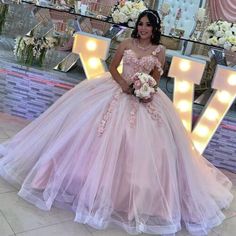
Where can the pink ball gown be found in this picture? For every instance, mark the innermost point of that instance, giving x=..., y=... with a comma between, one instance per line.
x=115, y=161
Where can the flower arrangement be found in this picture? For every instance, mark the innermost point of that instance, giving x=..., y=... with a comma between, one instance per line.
x=200, y=15
x=31, y=50
x=3, y=14
x=126, y=12
x=221, y=33
x=144, y=85
x=165, y=9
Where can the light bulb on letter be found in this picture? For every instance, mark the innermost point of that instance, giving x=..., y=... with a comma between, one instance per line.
x=183, y=86
x=93, y=62
x=232, y=80
x=183, y=106
x=184, y=65
x=91, y=45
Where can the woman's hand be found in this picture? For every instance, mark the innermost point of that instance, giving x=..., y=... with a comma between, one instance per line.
x=125, y=87
x=145, y=100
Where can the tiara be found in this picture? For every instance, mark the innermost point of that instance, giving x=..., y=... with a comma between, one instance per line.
x=158, y=22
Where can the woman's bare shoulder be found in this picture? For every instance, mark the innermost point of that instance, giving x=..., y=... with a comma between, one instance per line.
x=127, y=43
x=159, y=50
x=162, y=48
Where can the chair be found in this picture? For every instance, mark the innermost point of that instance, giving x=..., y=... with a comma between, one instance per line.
x=185, y=23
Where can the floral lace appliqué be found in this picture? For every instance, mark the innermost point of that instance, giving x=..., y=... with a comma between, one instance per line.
x=153, y=111
x=144, y=64
x=133, y=112
x=107, y=115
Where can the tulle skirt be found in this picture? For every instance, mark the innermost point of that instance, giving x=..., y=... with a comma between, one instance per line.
x=115, y=161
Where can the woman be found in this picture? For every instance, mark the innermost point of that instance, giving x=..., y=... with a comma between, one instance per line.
x=114, y=159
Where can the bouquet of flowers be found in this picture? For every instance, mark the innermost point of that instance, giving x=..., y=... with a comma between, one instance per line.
x=221, y=33
x=126, y=12
x=144, y=85
x=29, y=50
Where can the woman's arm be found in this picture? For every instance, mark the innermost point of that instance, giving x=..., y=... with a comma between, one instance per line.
x=156, y=73
x=114, y=65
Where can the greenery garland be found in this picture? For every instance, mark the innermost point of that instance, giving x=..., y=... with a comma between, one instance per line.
x=32, y=51
x=3, y=14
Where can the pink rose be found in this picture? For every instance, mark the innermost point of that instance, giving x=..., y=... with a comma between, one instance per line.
x=151, y=83
x=137, y=84
x=135, y=78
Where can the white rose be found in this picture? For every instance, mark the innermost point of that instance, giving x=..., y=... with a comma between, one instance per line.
x=219, y=34
x=125, y=10
x=152, y=82
x=143, y=78
x=233, y=29
x=227, y=45
x=144, y=91
x=213, y=41
x=134, y=15
x=228, y=33
x=222, y=40
x=129, y=4
x=226, y=26
x=131, y=23
x=211, y=28
x=123, y=18
x=152, y=90
x=115, y=16
x=216, y=28
x=141, y=6
x=165, y=8
x=201, y=14
x=232, y=40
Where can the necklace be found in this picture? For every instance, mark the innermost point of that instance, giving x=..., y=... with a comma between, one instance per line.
x=143, y=48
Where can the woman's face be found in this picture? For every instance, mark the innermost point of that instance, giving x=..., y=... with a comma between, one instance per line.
x=145, y=28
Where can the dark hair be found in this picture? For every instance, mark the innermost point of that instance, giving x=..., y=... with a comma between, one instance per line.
x=155, y=22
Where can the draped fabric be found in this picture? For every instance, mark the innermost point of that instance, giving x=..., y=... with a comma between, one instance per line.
x=223, y=10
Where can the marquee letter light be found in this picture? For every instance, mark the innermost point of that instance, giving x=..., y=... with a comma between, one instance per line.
x=186, y=72
x=224, y=83
x=93, y=50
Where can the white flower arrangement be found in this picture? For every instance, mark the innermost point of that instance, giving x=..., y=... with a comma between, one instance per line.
x=127, y=12
x=221, y=33
x=200, y=15
x=144, y=85
x=29, y=50
x=165, y=9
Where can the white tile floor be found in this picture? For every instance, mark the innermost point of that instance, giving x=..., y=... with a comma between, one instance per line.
x=17, y=217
